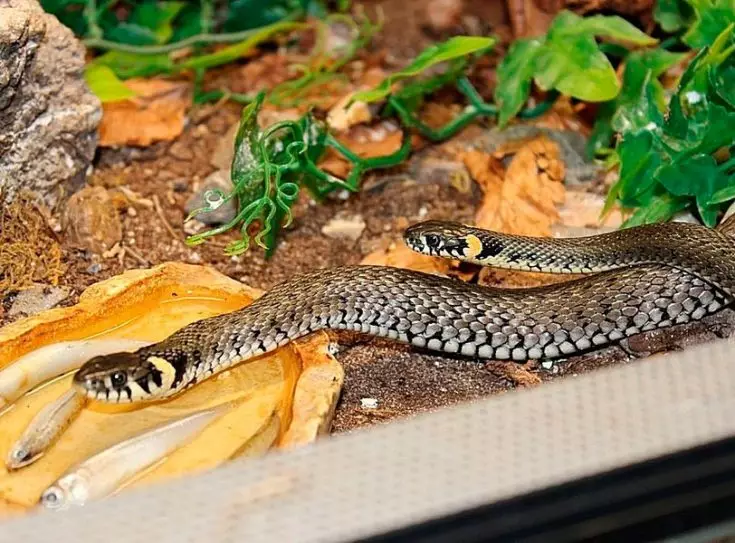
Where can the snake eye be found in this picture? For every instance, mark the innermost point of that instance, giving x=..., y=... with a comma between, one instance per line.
x=118, y=379
x=432, y=240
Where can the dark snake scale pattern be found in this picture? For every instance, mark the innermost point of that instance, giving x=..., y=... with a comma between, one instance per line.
x=641, y=279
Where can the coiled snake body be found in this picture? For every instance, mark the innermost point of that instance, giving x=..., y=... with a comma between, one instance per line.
x=641, y=279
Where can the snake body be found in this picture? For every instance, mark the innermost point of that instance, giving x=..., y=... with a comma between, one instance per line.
x=640, y=279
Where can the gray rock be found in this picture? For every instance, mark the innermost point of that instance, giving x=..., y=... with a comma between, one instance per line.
x=36, y=299
x=48, y=116
x=571, y=145
x=223, y=214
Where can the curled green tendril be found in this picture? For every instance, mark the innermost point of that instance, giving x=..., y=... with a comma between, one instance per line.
x=271, y=165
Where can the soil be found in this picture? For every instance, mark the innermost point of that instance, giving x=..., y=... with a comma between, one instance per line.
x=384, y=380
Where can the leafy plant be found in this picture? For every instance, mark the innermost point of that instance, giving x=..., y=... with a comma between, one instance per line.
x=104, y=73
x=640, y=101
x=703, y=20
x=669, y=163
x=452, y=49
x=158, y=22
x=268, y=169
x=566, y=59
x=456, y=54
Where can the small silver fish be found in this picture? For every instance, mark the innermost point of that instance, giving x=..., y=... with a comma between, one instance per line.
x=103, y=473
x=51, y=361
x=45, y=429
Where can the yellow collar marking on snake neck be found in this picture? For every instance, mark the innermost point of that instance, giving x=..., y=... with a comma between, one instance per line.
x=168, y=372
x=474, y=246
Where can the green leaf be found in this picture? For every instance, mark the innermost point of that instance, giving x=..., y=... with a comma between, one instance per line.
x=514, y=76
x=247, y=14
x=718, y=131
x=694, y=177
x=613, y=27
x=103, y=82
x=233, y=52
x=188, y=22
x=672, y=15
x=157, y=16
x=571, y=63
x=602, y=131
x=127, y=65
x=132, y=34
x=722, y=83
x=636, y=112
x=412, y=94
x=711, y=18
x=641, y=100
x=574, y=65
x=659, y=208
x=699, y=177
x=639, y=160
x=456, y=47
x=725, y=194
x=248, y=153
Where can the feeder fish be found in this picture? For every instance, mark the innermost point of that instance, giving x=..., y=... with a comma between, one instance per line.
x=103, y=473
x=45, y=428
x=51, y=361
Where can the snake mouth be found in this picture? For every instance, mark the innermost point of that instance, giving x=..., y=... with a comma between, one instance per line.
x=448, y=240
x=121, y=378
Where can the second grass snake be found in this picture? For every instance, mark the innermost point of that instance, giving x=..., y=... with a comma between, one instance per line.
x=636, y=279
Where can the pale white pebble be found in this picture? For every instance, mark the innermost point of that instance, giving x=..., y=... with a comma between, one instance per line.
x=369, y=403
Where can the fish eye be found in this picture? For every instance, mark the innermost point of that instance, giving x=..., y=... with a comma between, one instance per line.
x=20, y=455
x=432, y=240
x=52, y=498
x=118, y=379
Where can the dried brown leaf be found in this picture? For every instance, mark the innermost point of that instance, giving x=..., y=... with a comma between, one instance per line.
x=400, y=256
x=525, y=202
x=485, y=169
x=157, y=113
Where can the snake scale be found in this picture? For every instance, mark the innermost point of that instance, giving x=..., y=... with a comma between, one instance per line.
x=636, y=280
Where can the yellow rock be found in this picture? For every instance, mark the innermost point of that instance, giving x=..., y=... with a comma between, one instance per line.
x=281, y=400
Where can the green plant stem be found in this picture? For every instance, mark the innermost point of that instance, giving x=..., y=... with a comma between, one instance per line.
x=669, y=42
x=90, y=13
x=203, y=38
x=217, y=95
x=540, y=108
x=205, y=16
x=477, y=108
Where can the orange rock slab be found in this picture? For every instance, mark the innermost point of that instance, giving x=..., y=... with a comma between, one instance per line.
x=284, y=399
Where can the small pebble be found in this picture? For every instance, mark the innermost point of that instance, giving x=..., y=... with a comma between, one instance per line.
x=369, y=403
x=94, y=268
x=344, y=227
x=193, y=227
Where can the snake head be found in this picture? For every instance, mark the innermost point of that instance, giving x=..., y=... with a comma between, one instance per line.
x=439, y=238
x=125, y=377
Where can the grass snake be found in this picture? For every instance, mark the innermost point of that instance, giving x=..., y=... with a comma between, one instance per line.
x=635, y=280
